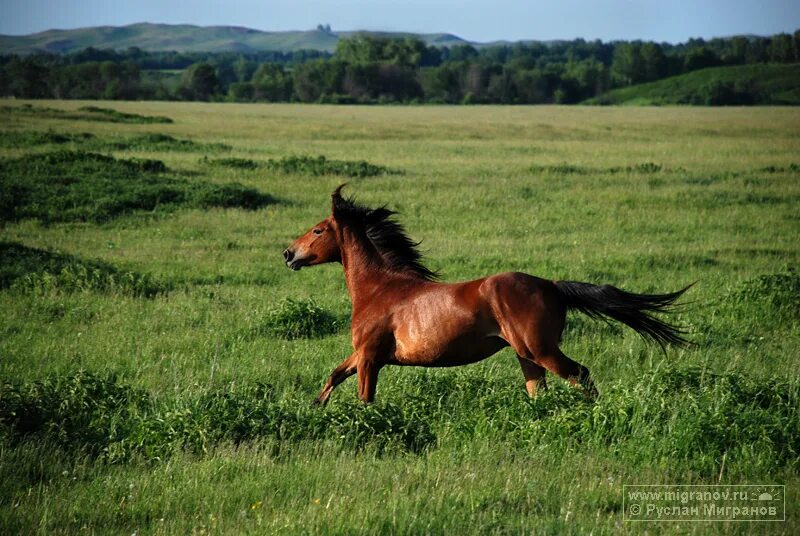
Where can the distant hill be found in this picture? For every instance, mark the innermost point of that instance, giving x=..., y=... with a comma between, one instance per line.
x=189, y=38
x=739, y=84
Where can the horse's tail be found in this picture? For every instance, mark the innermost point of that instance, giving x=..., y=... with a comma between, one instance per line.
x=634, y=310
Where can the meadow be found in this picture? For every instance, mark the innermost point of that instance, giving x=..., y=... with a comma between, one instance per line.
x=158, y=360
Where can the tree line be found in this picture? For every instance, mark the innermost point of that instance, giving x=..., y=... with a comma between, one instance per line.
x=370, y=69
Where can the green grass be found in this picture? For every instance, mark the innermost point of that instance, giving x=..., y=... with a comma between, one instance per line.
x=305, y=165
x=739, y=84
x=320, y=165
x=18, y=139
x=85, y=113
x=187, y=408
x=81, y=186
x=293, y=319
x=116, y=116
x=45, y=272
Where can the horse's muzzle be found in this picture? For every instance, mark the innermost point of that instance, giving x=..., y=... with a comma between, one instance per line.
x=292, y=262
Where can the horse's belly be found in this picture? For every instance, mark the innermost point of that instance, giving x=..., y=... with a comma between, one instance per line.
x=444, y=329
x=438, y=352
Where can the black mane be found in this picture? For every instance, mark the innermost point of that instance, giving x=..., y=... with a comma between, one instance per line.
x=389, y=237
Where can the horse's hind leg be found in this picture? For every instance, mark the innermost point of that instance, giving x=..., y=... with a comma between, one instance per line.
x=554, y=360
x=535, y=356
x=534, y=376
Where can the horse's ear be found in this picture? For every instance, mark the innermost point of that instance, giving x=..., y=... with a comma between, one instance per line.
x=336, y=199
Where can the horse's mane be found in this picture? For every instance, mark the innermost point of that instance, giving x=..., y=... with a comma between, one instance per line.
x=389, y=237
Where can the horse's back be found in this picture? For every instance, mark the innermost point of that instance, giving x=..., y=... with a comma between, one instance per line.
x=520, y=284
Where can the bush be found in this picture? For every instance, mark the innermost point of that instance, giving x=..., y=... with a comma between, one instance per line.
x=40, y=271
x=155, y=142
x=101, y=417
x=727, y=93
x=779, y=292
x=294, y=319
x=121, y=117
x=27, y=138
x=668, y=415
x=319, y=165
x=144, y=142
x=569, y=169
x=234, y=163
x=229, y=196
x=80, y=186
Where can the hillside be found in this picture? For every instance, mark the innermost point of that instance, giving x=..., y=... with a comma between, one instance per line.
x=740, y=84
x=189, y=38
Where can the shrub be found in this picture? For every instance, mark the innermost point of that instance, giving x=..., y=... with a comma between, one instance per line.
x=235, y=163
x=28, y=138
x=155, y=142
x=80, y=186
x=668, y=415
x=87, y=113
x=106, y=419
x=144, y=142
x=568, y=169
x=121, y=117
x=777, y=292
x=229, y=196
x=36, y=270
x=294, y=319
x=319, y=165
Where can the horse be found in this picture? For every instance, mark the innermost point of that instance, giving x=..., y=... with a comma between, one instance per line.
x=403, y=315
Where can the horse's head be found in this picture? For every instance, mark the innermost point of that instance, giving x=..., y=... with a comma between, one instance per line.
x=317, y=246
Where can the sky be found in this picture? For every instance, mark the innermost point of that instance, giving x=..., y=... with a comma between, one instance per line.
x=475, y=20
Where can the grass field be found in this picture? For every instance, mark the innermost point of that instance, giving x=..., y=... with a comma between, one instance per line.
x=158, y=359
x=735, y=84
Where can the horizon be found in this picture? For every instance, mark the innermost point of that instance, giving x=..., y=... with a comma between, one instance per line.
x=475, y=21
x=337, y=31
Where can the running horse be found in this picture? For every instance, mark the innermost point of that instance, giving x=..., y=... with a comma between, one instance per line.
x=402, y=314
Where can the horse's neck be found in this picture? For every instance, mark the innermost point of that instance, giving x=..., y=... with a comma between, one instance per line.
x=363, y=266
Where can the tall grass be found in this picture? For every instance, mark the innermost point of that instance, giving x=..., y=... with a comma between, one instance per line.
x=81, y=186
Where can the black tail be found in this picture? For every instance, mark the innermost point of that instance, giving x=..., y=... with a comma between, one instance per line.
x=634, y=310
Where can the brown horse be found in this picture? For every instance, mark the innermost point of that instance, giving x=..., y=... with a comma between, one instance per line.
x=403, y=316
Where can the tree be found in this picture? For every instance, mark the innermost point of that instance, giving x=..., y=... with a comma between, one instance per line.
x=316, y=79
x=654, y=62
x=442, y=84
x=363, y=49
x=244, y=69
x=199, y=82
x=272, y=83
x=627, y=67
x=583, y=79
x=27, y=78
x=700, y=58
x=462, y=53
x=531, y=86
x=781, y=48
x=796, y=44
x=502, y=88
x=241, y=91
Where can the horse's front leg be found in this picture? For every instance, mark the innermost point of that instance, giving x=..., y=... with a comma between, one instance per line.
x=367, y=380
x=339, y=374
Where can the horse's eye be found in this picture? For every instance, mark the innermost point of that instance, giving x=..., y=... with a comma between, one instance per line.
x=317, y=231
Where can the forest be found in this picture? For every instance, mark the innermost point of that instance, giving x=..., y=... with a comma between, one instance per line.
x=367, y=69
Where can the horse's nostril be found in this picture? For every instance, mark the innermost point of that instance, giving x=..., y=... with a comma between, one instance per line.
x=288, y=254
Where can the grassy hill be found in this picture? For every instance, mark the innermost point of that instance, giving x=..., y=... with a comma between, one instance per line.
x=189, y=38
x=740, y=84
